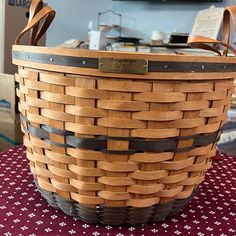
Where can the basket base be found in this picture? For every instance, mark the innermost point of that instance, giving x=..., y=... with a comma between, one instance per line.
x=123, y=215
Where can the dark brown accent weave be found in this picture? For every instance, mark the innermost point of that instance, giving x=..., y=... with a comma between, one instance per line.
x=115, y=215
x=100, y=143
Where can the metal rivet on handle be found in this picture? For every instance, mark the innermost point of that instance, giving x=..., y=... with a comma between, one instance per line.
x=165, y=66
x=27, y=57
x=84, y=62
x=203, y=67
x=51, y=59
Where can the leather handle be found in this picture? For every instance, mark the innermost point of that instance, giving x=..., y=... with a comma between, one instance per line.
x=205, y=43
x=35, y=7
x=230, y=12
x=38, y=14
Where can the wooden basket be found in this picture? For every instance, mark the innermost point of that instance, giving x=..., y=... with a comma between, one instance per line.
x=117, y=138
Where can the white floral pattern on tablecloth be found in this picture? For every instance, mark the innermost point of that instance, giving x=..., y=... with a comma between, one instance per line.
x=24, y=212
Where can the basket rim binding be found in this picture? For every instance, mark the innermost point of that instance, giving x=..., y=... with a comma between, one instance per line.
x=160, y=67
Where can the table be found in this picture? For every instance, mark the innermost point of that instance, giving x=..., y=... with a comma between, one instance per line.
x=23, y=211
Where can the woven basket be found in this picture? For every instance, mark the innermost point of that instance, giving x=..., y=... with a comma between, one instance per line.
x=117, y=138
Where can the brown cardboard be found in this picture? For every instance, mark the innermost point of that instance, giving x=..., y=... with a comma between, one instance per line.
x=10, y=133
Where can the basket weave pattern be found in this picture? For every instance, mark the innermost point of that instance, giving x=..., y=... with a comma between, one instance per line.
x=116, y=114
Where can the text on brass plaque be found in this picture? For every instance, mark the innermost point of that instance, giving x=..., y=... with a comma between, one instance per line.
x=123, y=65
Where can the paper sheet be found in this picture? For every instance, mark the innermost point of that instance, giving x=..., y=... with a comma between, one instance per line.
x=208, y=22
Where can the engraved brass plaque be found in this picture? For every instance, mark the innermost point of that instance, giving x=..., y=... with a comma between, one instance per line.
x=123, y=65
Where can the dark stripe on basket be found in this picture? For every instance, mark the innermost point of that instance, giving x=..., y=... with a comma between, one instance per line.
x=136, y=145
x=123, y=215
x=93, y=63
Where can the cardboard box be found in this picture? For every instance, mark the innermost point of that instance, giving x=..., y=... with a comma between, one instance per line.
x=10, y=131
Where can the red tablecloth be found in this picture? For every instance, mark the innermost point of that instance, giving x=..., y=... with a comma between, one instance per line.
x=24, y=212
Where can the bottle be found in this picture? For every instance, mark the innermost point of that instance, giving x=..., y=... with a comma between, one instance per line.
x=90, y=28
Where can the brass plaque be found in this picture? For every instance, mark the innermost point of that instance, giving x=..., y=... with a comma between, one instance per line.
x=123, y=65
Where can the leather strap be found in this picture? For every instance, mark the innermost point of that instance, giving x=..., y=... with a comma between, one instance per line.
x=203, y=42
x=230, y=12
x=38, y=14
x=35, y=7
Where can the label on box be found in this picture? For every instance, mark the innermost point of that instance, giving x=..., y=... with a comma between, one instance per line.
x=5, y=103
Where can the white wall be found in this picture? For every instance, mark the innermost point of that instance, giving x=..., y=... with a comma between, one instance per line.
x=139, y=17
x=144, y=17
x=72, y=18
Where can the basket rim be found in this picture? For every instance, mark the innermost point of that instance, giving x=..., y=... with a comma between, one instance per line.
x=160, y=67
x=138, y=55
